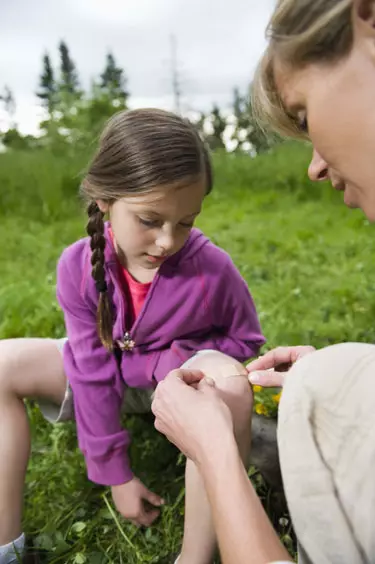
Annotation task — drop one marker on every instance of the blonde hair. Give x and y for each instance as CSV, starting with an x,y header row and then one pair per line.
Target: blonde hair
x,y
139,150
300,32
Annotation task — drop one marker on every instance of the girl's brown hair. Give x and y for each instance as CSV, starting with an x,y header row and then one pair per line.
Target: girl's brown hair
x,y
138,151
300,32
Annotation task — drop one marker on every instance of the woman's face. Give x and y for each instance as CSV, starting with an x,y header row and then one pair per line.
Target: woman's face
x,y
336,104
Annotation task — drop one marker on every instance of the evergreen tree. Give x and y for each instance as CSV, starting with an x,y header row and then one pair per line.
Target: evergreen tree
x,y
113,81
69,82
219,124
47,85
9,102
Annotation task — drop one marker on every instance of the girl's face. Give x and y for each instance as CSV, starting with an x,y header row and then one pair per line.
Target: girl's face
x,y
150,227
335,103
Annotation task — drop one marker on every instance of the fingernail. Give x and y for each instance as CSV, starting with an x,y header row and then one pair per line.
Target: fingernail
x,y
254,377
209,381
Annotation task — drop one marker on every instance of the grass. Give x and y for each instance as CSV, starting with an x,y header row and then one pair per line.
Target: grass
x,y
304,256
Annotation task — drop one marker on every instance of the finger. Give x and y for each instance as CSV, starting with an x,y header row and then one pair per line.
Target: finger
x,y
206,383
154,407
190,377
281,355
267,378
152,498
146,518
158,424
163,430
299,352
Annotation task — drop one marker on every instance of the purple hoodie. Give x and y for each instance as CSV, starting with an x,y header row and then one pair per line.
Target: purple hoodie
x,y
197,300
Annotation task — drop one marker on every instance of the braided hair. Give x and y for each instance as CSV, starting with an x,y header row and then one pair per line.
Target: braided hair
x,y
95,230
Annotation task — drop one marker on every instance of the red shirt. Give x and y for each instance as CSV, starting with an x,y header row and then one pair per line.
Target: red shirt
x,y
135,291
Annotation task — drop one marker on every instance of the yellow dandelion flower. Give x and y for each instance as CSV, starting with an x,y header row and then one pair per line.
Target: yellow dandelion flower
x,y
257,389
276,398
260,409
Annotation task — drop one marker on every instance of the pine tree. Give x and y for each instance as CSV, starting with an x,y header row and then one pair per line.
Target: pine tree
x,y
219,125
47,85
9,102
69,82
113,81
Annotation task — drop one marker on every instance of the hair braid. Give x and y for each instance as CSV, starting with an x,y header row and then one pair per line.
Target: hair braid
x,y
95,229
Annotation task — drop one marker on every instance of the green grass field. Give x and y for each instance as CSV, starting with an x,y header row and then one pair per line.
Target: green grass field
x,y
306,258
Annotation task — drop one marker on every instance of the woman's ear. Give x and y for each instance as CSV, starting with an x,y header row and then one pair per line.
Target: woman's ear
x,y
103,206
364,15
363,21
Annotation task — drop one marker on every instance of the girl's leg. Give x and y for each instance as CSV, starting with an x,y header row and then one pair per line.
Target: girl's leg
x,y
199,534
29,368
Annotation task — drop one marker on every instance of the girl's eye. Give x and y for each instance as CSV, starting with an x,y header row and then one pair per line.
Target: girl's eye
x,y
148,222
187,225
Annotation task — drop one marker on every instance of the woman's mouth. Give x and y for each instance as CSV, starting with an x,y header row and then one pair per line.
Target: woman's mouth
x,y
340,186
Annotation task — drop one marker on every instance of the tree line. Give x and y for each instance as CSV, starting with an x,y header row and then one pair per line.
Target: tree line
x,y
74,116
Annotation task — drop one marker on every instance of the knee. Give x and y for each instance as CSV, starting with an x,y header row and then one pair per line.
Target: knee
x,y
5,369
231,380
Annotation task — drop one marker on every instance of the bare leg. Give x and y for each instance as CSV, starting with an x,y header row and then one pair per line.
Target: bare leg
x,y
199,534
29,368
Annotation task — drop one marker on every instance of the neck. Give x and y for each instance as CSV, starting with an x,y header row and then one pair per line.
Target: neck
x,y
142,275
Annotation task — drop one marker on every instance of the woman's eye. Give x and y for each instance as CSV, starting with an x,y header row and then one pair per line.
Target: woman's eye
x,y
303,124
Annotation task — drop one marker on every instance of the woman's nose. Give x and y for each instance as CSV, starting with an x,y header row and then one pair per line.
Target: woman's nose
x,y
318,168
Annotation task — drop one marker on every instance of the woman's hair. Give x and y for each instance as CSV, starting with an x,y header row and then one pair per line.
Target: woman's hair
x,y
138,150
300,32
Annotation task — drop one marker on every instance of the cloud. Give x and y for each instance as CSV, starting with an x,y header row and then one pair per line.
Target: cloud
x,y
218,45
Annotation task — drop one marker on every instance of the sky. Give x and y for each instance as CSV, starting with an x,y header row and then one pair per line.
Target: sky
x,y
217,43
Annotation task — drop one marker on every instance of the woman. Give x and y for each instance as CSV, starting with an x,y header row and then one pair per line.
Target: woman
x,y
316,80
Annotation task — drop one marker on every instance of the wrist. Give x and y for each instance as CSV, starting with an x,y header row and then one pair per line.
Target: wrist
x,y
116,487
214,453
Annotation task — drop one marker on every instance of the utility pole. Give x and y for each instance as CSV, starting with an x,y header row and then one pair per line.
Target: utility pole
x,y
175,75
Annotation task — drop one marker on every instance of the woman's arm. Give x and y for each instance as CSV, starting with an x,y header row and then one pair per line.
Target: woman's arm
x,y
244,531
199,423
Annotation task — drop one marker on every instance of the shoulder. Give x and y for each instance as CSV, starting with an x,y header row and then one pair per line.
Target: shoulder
x,y
201,248
209,262
214,259
75,255
215,255
74,263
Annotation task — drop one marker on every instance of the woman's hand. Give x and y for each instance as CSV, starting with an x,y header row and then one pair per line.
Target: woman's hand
x,y
270,369
189,411
129,500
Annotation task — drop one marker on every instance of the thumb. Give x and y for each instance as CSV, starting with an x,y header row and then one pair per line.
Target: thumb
x,y
267,378
187,375
152,497
207,382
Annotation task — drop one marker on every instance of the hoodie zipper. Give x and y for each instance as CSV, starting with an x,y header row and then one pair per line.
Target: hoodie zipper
x,y
128,342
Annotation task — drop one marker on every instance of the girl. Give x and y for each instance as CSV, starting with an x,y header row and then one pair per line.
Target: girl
x,y
141,295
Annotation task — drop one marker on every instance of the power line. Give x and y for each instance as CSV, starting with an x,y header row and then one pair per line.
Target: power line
x,y
176,86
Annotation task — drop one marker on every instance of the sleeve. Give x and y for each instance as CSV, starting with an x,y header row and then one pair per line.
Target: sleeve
x,y
97,387
235,331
